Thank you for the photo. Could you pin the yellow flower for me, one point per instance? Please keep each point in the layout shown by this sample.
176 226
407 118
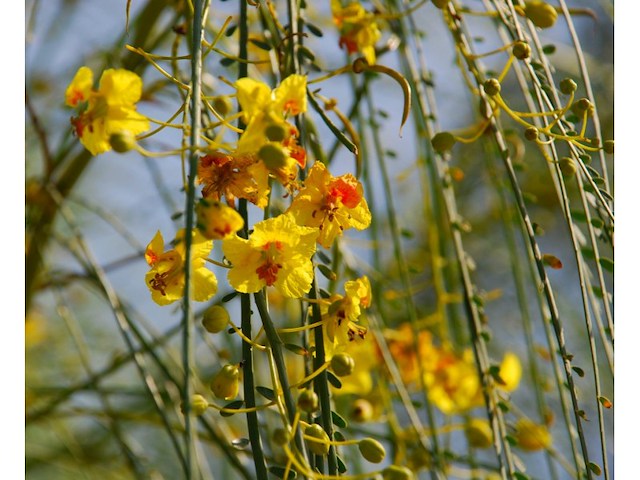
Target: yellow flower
166 277
241 176
344 311
454 384
363 351
256 98
278 253
331 204
358 29
217 220
109 110
532 436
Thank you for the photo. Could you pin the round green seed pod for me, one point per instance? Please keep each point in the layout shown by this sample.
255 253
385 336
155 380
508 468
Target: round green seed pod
275 132
568 86
521 50
273 156
122 142
567 167
372 450
395 472
342 364
531 134
492 87
478 433
280 436
225 384
443 142
223 106
608 147
198 405
316 431
540 13
361 411
215 319
582 105
440 3
308 401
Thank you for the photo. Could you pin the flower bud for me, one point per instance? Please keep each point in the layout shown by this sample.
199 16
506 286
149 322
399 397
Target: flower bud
362 411
342 364
568 86
222 105
225 384
531 436
531 134
123 141
521 50
443 142
608 147
540 13
215 319
280 436
567 167
478 433
359 65
308 401
372 450
198 405
275 132
492 87
440 3
395 472
316 431
273 156
581 106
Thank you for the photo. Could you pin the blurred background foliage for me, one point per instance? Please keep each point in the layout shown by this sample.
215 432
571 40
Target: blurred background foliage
93 367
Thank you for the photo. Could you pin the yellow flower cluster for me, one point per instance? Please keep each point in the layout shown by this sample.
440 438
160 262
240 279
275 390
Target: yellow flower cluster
359 31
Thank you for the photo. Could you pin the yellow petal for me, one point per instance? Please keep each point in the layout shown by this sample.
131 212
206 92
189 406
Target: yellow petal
253 96
291 95
120 87
154 249
80 87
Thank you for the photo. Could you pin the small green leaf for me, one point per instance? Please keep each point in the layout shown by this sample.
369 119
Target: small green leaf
605 194
588 253
606 403
324 293
279 472
606 263
231 30
338 420
597 223
595 468
549 49
520 476
232 406
333 380
226 61
342 468
339 436
323 256
327 272
578 216
228 297
260 44
267 393
579 371
314 30
297 349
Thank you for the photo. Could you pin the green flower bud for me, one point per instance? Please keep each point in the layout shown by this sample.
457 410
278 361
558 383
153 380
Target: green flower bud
394 472
568 86
567 167
478 433
531 134
440 3
198 405
372 450
275 132
122 142
308 401
280 436
540 13
215 319
316 431
608 147
521 50
222 105
225 384
443 142
273 156
342 364
362 411
581 106
492 87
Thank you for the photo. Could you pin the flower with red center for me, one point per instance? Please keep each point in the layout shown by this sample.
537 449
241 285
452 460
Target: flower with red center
234 175
165 280
278 253
359 31
331 204
342 314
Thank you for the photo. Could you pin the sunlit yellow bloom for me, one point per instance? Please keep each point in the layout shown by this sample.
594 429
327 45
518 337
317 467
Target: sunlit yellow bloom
234 176
331 204
532 436
166 277
510 372
363 351
342 315
289 98
410 363
454 384
358 29
110 109
217 220
278 253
